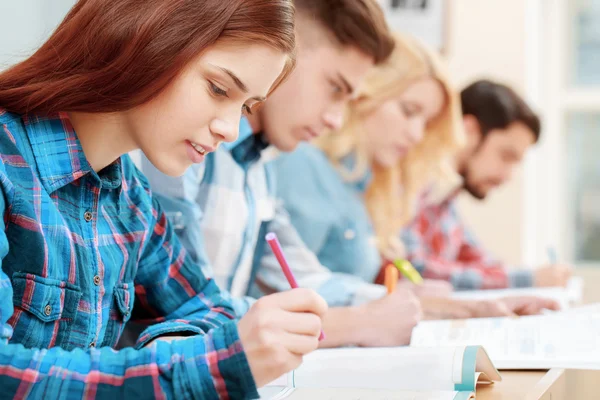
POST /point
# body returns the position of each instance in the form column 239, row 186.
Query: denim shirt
column 328, row 212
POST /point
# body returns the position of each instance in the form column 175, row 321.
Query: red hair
column 109, row 56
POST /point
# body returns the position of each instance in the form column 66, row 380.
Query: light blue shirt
column 328, row 212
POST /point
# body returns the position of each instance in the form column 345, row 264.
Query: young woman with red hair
column 82, row 237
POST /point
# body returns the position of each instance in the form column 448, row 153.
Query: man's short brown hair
column 357, row 23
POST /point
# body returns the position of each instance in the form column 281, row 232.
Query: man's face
column 313, row 98
column 495, row 158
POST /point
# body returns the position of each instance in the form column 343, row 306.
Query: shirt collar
column 59, row 156
column 249, row 145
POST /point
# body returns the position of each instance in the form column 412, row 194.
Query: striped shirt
column 78, row 249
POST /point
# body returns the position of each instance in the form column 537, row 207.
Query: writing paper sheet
column 569, row 340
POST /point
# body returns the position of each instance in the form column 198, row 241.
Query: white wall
column 26, row 24
column 488, row 39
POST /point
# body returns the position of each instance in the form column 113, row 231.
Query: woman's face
column 399, row 124
column 204, row 104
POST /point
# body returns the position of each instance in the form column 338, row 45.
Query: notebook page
column 537, row 342
column 382, row 368
column 487, row 372
column 372, row 394
column 593, row 308
column 566, row 297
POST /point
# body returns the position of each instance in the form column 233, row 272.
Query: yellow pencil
column 391, row 278
column 407, row 269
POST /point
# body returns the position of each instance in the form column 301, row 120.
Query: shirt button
column 93, row 344
column 48, row 310
column 97, row 280
column 87, row 216
column 349, row 234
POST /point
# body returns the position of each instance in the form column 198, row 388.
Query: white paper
column 399, row 371
column 365, row 394
column 381, row 368
column 569, row 340
column 593, row 308
column 566, row 297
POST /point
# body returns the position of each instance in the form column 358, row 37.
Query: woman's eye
column 217, row 90
column 407, row 110
column 335, row 88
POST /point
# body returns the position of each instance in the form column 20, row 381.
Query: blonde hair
column 393, row 192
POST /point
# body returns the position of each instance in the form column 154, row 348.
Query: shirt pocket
column 120, row 312
column 44, row 311
column 342, row 251
column 265, row 209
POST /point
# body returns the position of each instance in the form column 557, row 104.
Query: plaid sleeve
column 199, row 367
column 209, row 366
column 471, row 268
column 172, row 293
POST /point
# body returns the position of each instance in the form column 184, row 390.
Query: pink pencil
column 276, row 247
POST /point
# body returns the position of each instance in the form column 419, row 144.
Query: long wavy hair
column 114, row 55
column 393, row 192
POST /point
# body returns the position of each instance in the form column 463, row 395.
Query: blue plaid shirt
column 77, row 248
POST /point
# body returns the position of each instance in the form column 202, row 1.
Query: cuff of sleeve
column 242, row 305
column 231, row 363
column 520, row 278
column 164, row 328
column 466, row 280
column 349, row 292
column 367, row 293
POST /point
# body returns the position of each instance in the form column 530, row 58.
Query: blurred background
column 549, row 50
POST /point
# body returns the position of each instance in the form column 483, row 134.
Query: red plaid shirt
column 441, row 247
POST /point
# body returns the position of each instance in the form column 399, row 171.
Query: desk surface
column 527, row 385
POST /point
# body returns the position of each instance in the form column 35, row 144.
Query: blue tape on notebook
column 468, row 370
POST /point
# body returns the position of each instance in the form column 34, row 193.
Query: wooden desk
column 526, row 385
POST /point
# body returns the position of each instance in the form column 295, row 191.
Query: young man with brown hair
column 225, row 207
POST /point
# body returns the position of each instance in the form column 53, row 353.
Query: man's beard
column 470, row 187
column 473, row 190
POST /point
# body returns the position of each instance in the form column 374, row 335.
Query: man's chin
column 476, row 193
column 287, row 146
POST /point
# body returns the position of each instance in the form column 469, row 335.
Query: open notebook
column 400, row 373
column 566, row 297
column 567, row 339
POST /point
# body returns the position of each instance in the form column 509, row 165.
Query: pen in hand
column 276, row 247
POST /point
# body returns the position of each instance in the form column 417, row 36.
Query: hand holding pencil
column 279, row 330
